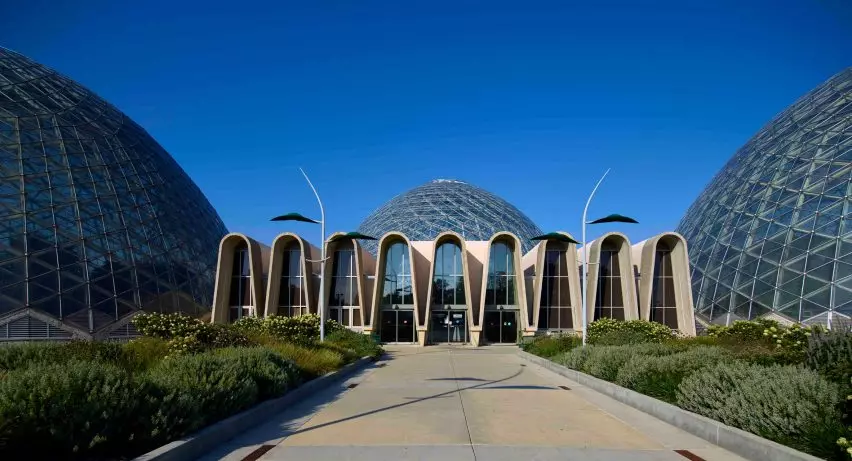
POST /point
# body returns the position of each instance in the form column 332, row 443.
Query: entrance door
column 448, row 327
column 501, row 327
column 397, row 326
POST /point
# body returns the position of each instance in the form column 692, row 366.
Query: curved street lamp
column 350, row 235
column 613, row 218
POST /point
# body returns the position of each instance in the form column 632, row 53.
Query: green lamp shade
column 294, row 217
column 556, row 236
column 351, row 236
column 615, row 218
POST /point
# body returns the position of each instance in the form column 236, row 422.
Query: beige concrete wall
column 680, row 273
column 466, row 261
column 529, row 265
column 477, row 255
column 423, row 256
column 384, row 243
column 573, row 268
column 273, row 284
column 628, row 285
column 225, row 265
column 520, row 288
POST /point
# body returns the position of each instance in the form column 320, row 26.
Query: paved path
column 441, row 403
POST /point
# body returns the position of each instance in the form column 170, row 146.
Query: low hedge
column 551, row 345
column 273, row 373
column 659, row 376
column 615, row 332
column 788, row 404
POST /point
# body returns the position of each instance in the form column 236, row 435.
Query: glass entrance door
column 448, row 327
column 501, row 327
column 397, row 326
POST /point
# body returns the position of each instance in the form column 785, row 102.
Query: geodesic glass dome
column 448, row 205
column 772, row 233
column 97, row 221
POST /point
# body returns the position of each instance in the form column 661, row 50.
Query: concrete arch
column 224, row 266
column 680, row 272
column 364, row 264
column 273, row 283
column 627, row 276
column 520, row 286
column 573, row 268
column 467, row 261
column 384, row 245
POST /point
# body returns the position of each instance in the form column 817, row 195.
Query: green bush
column 17, row 356
column 143, row 353
column 574, row 359
column 659, row 375
column 311, row 362
column 743, row 330
column 830, row 354
column 790, row 405
column 604, row 361
column 636, row 330
column 189, row 335
column 195, row 390
column 271, row 371
column 551, row 345
column 77, row 409
column 359, row 344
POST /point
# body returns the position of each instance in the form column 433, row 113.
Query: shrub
column 604, row 361
column 143, row 353
column 271, row 371
column 788, row 404
column 71, row 410
column 195, row 390
column 358, row 343
column 573, row 359
column 188, row 335
column 17, row 356
column 830, row 354
column 635, row 330
column 743, row 330
column 551, row 345
column 659, row 375
column 311, row 362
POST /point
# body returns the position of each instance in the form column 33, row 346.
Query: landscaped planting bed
column 787, row 384
column 110, row 400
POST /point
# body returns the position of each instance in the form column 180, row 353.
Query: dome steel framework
column 97, row 221
column 771, row 232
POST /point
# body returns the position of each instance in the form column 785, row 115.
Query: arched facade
column 448, row 313
column 239, row 279
column 611, row 282
column 290, row 287
column 346, row 290
column 664, row 290
column 396, row 306
column 557, row 299
column 502, row 313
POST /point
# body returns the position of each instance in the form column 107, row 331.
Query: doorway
column 397, row 326
column 448, row 327
column 501, row 327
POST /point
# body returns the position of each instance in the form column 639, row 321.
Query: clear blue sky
column 531, row 100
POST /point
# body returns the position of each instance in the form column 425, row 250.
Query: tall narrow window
column 663, row 302
column 240, row 299
column 448, row 283
column 609, row 302
column 292, row 301
column 344, row 303
column 555, row 305
column 500, row 290
column 396, row 286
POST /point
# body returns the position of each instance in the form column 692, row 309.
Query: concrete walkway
column 443, row 403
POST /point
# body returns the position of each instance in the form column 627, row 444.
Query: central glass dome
column 448, row 205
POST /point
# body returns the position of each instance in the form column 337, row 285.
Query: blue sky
column 531, row 100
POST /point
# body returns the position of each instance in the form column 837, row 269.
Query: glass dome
column 97, row 221
column 448, row 205
column 771, row 232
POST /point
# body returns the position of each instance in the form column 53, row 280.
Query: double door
column 397, row 326
column 501, row 326
column 448, row 326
